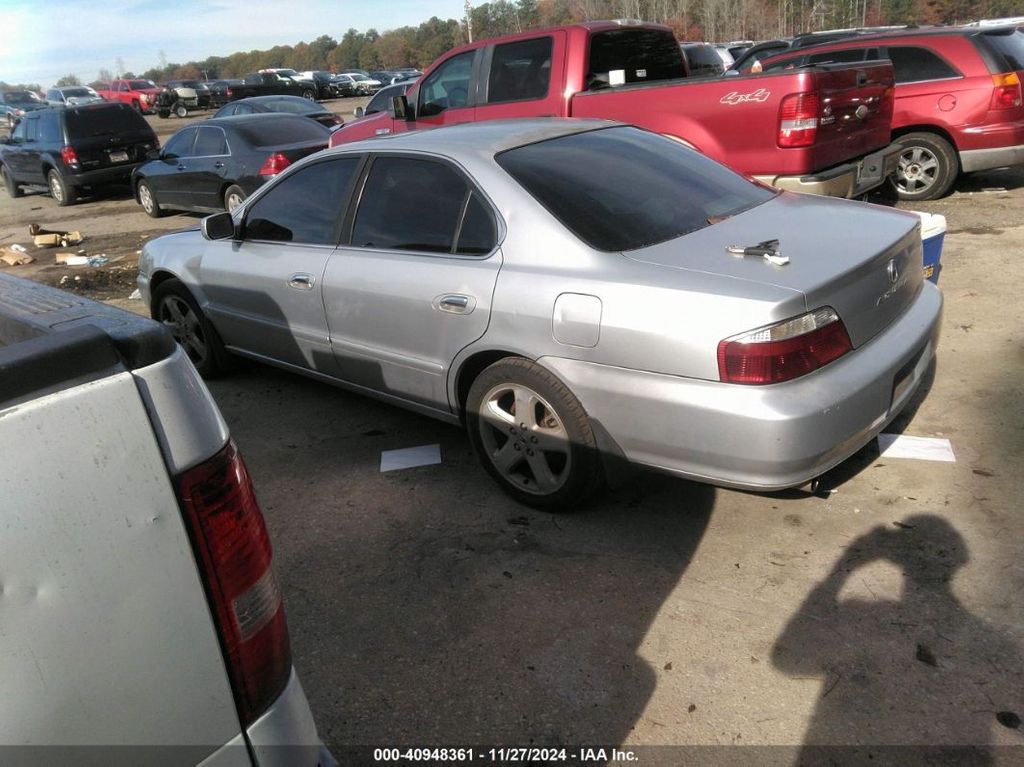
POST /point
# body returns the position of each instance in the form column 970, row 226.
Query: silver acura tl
column 574, row 292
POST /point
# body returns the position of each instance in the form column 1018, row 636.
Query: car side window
column 306, row 206
column 20, row 131
column 210, row 143
column 180, row 144
column 447, row 87
column 914, row 64
column 421, row 205
column 53, row 95
column 837, row 57
column 242, row 109
column 520, row 71
column 49, row 128
column 32, row 129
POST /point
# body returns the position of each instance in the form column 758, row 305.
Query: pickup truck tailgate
column 855, row 110
column 106, row 637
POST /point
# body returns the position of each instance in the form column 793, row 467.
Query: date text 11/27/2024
column 504, row 755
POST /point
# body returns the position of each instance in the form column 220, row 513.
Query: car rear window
column 1008, row 47
column 703, row 60
column 300, row 107
column 106, row 120
column 623, row 56
column 624, row 188
column 273, row 131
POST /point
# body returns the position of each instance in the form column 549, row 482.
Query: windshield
column 625, row 188
column 298, row 107
column 21, row 97
column 141, row 85
column 359, row 77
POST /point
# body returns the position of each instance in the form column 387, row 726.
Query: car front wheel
column 147, row 199
column 176, row 310
column 533, row 436
column 234, row 196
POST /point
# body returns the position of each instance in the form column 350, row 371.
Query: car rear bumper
column 286, row 735
column 984, row 159
column 112, row 174
column 761, row 437
column 848, row 180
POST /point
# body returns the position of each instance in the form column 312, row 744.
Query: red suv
column 958, row 99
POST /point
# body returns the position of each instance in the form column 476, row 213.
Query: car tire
column 309, row 95
column 163, row 113
column 12, row 187
column 175, row 308
column 148, row 201
column 181, row 110
column 62, row 192
column 234, row 196
column 927, row 167
column 546, row 458
column 137, row 107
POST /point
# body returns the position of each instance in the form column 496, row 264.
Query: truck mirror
column 400, row 109
column 219, row 226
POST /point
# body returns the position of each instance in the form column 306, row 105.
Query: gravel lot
column 426, row 608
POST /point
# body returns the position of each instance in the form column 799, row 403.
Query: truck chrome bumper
column 848, row 180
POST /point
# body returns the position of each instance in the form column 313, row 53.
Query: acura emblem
column 893, row 270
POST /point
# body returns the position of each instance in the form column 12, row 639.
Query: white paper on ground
column 410, row 457
column 922, row 448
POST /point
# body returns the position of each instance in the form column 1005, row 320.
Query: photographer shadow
column 921, row 671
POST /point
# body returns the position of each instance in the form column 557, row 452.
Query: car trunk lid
column 863, row 261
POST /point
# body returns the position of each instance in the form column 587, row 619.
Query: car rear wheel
column 927, row 167
column 233, row 197
column 176, row 310
column 308, row 94
column 180, row 110
column 532, row 435
column 13, row 190
column 147, row 199
column 61, row 191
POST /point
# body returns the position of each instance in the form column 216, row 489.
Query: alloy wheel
column 146, row 199
column 918, row 170
column 179, row 318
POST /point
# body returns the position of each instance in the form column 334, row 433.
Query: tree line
column 712, row 20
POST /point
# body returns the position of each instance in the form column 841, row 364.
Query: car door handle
column 218, row 165
column 454, row 303
column 301, row 281
column 182, row 167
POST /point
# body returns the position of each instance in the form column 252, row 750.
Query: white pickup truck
column 140, row 621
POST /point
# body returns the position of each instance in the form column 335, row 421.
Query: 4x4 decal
column 734, row 98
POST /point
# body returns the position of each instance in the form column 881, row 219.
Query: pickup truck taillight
column 232, row 549
column 785, row 350
column 274, row 164
column 1006, row 93
column 798, row 120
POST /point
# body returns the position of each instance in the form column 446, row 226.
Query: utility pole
column 469, row 20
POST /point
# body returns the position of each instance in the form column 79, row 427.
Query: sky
column 44, row 40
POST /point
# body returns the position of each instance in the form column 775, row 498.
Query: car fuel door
column 413, row 286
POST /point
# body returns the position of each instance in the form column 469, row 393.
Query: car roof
column 489, row 137
column 236, row 120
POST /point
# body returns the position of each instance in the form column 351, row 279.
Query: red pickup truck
column 824, row 130
column 140, row 94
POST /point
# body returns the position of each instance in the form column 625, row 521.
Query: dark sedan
column 215, row 165
column 285, row 104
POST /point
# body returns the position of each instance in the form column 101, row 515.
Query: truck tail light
column 798, row 120
column 785, row 350
column 1006, row 92
column 274, row 164
column 232, row 548
column 69, row 155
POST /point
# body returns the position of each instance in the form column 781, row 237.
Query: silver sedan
column 575, row 293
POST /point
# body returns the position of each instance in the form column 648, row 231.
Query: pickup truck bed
column 109, row 637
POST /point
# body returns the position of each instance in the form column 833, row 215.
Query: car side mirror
column 399, row 109
column 359, row 112
column 219, row 226
column 153, row 154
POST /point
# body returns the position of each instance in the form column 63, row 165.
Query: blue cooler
column 933, row 232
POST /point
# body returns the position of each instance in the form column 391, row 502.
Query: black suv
column 81, row 146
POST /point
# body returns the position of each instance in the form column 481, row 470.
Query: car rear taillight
column 229, row 93
column 785, row 350
column 233, row 551
column 798, row 120
column 1006, row 92
column 68, row 155
column 274, row 164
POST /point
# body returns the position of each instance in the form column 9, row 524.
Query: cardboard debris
column 53, row 240
column 13, row 257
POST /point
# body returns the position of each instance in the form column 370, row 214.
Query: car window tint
column 53, row 96
column 1008, row 45
column 836, row 57
column 18, row 134
column 112, row 120
column 635, row 55
column 49, row 128
column 32, row 129
column 447, row 87
column 914, row 64
column 477, row 235
column 626, row 188
column 703, row 60
column 305, row 206
column 520, row 71
column 410, row 204
column 180, row 144
column 282, row 129
column 209, row 142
